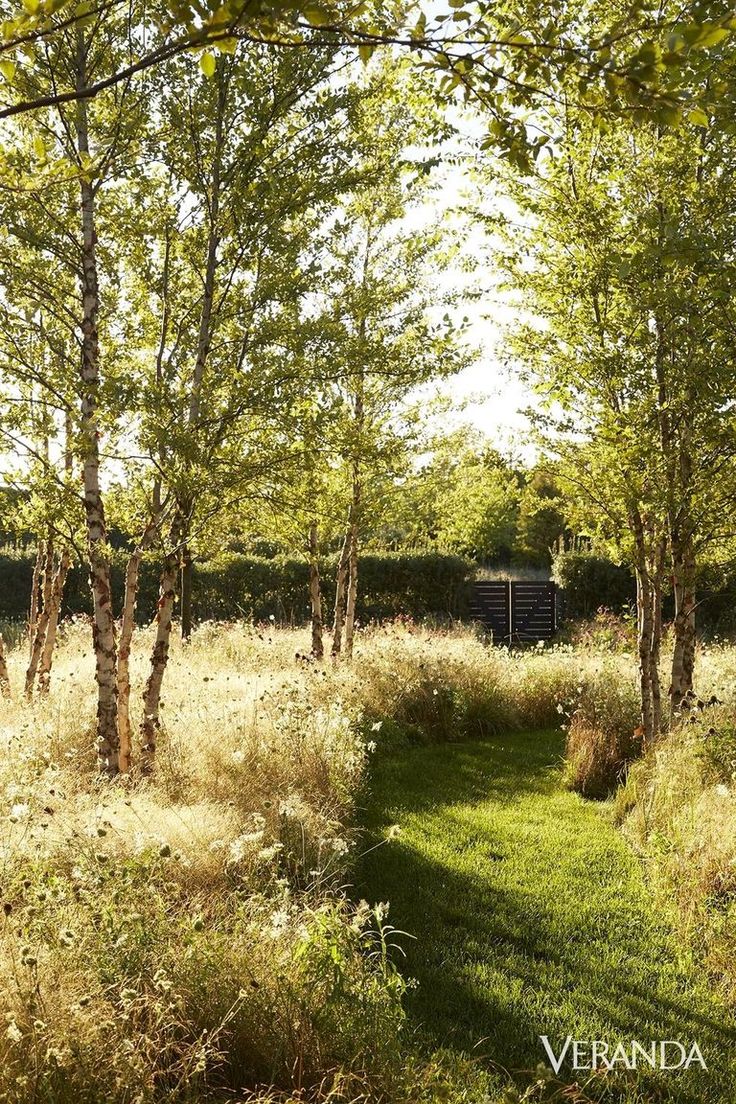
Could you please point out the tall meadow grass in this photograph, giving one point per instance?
(190, 936)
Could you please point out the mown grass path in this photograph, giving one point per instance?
(531, 917)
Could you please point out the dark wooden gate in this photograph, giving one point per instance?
(515, 612)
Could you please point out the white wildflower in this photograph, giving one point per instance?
(266, 854)
(14, 1033)
(237, 850)
(279, 920)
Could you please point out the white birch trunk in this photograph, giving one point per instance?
(151, 723)
(103, 622)
(42, 619)
(35, 589)
(57, 593)
(127, 625)
(645, 628)
(340, 580)
(352, 591)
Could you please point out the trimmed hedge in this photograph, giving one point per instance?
(239, 586)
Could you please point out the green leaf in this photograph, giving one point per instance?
(365, 52)
(7, 68)
(208, 64)
(316, 16)
(698, 117)
(712, 36)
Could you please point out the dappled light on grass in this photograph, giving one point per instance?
(532, 917)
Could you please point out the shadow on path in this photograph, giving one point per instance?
(531, 917)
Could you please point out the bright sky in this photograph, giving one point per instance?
(490, 393)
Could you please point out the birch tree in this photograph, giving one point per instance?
(389, 332)
(77, 147)
(637, 353)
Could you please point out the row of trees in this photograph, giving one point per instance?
(212, 301)
(624, 251)
(468, 498)
(212, 307)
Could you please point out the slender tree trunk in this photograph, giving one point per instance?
(4, 679)
(646, 628)
(160, 654)
(42, 619)
(103, 622)
(57, 593)
(315, 594)
(204, 337)
(353, 527)
(683, 654)
(35, 591)
(127, 625)
(186, 593)
(657, 581)
(690, 603)
(342, 574)
(352, 590)
(644, 643)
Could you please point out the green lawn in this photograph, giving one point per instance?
(531, 917)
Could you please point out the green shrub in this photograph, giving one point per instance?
(590, 582)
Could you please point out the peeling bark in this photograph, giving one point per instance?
(57, 593)
(35, 592)
(126, 637)
(103, 622)
(42, 618)
(315, 594)
(684, 630)
(160, 655)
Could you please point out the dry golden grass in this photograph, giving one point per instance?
(679, 807)
(167, 937)
(186, 933)
(185, 936)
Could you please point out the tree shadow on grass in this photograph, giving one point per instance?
(502, 956)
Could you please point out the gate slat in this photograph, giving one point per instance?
(515, 610)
